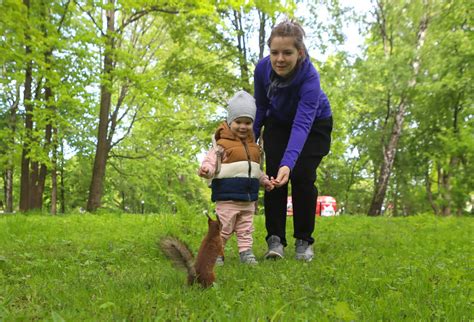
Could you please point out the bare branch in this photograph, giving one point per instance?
(92, 18)
(113, 117)
(382, 23)
(125, 113)
(119, 171)
(66, 7)
(128, 130)
(137, 15)
(38, 89)
(129, 157)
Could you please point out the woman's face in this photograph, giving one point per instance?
(284, 55)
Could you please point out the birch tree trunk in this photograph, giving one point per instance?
(390, 150)
(262, 17)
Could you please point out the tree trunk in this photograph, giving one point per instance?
(34, 174)
(8, 175)
(54, 176)
(387, 163)
(452, 167)
(389, 151)
(262, 17)
(8, 190)
(446, 188)
(445, 175)
(242, 48)
(39, 170)
(429, 192)
(62, 199)
(103, 146)
(8, 187)
(54, 190)
(123, 201)
(394, 203)
(446, 184)
(25, 160)
(33, 179)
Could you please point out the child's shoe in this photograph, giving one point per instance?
(247, 257)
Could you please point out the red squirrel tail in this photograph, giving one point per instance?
(179, 253)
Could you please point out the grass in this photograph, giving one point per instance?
(107, 267)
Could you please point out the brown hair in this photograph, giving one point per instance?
(289, 28)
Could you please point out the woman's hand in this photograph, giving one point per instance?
(282, 177)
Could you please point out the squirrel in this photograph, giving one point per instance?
(200, 270)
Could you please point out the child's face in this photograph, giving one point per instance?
(241, 127)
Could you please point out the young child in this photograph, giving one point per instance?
(233, 164)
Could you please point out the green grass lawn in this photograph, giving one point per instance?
(107, 267)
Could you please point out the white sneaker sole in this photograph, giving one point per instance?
(272, 255)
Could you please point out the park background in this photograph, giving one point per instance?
(110, 104)
(107, 106)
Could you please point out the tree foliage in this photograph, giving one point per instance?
(157, 77)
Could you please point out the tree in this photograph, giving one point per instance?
(10, 96)
(45, 23)
(43, 59)
(239, 31)
(443, 105)
(112, 37)
(396, 44)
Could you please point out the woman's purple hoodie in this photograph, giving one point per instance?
(297, 102)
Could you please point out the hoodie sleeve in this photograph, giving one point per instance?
(211, 160)
(261, 99)
(305, 114)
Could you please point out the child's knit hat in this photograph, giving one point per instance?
(242, 104)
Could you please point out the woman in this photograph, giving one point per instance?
(297, 121)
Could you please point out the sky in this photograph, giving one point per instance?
(353, 38)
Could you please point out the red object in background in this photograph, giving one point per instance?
(326, 206)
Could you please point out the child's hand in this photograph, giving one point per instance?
(204, 172)
(268, 184)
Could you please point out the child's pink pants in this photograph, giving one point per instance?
(237, 216)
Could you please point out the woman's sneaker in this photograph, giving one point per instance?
(275, 248)
(303, 250)
(220, 261)
(247, 257)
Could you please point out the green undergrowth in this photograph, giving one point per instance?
(107, 267)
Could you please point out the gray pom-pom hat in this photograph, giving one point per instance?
(242, 104)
